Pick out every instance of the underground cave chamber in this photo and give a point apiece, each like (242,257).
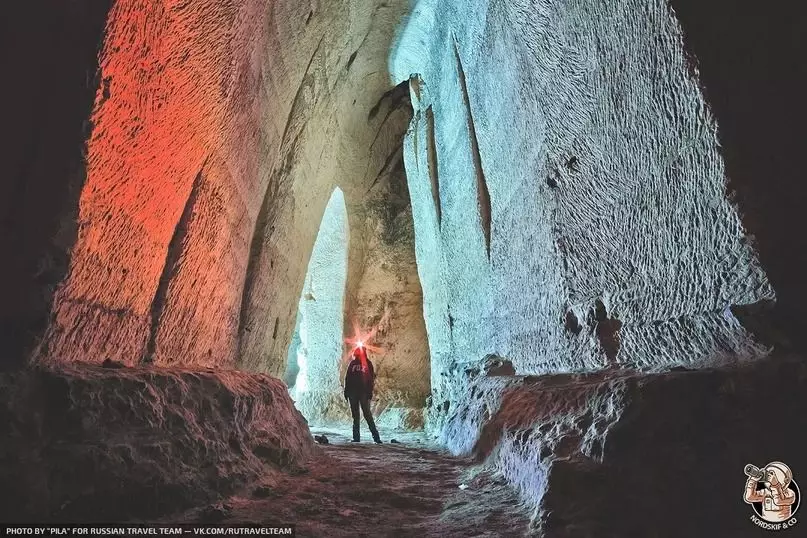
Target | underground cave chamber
(574,226)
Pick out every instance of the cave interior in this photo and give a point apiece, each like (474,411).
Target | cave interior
(570,233)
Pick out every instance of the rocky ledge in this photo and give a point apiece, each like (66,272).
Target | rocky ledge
(84,443)
(624,454)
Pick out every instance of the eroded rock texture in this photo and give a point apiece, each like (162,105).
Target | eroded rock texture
(220,129)
(383,301)
(318,342)
(568,190)
(750,65)
(615,454)
(569,164)
(168,164)
(384,294)
(91,443)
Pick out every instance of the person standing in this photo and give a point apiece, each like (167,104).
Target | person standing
(359,383)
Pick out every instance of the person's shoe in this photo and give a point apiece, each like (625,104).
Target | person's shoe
(356,441)
(378,441)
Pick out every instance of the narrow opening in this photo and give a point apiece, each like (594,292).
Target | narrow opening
(312,371)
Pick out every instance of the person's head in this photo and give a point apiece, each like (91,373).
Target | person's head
(783,473)
(360,353)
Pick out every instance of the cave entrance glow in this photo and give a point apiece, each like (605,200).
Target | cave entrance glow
(314,357)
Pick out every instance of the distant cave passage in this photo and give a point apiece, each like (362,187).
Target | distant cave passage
(312,371)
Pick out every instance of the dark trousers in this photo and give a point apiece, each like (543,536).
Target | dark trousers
(363,402)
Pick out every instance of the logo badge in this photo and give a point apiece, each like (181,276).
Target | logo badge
(773,494)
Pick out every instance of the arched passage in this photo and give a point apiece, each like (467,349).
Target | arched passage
(316,348)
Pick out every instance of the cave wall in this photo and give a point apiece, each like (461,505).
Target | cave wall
(84,443)
(385,297)
(219,130)
(569,193)
(749,62)
(613,453)
(164,216)
(50,64)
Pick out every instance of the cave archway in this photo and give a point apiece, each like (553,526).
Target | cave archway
(312,373)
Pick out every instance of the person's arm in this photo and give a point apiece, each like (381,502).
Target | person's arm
(372,379)
(751,493)
(781,496)
(347,376)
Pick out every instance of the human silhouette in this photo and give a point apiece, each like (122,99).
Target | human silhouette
(359,383)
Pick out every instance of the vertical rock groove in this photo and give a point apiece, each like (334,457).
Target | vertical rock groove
(431,152)
(483,196)
(172,260)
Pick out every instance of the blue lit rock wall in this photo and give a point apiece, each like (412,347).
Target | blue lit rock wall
(317,383)
(568,192)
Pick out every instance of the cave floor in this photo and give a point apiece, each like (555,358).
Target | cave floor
(410,488)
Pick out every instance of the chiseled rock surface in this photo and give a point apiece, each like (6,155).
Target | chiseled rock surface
(46,45)
(219,130)
(568,193)
(385,295)
(617,454)
(90,443)
(382,301)
(568,189)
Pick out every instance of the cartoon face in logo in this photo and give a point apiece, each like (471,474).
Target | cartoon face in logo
(772,492)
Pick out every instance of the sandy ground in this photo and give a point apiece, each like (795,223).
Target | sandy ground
(400,489)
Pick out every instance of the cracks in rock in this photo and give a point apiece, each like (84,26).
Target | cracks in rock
(173,260)
(572,324)
(431,155)
(390,158)
(482,193)
(398,98)
(358,48)
(255,251)
(397,101)
(351,59)
(295,111)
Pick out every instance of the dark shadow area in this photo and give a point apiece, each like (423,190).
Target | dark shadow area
(49,65)
(751,62)
(624,454)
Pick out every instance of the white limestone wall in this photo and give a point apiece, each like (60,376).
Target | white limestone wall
(586,125)
(320,314)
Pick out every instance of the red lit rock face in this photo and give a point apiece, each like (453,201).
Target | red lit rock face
(220,129)
(172,101)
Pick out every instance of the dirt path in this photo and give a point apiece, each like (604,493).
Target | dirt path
(401,490)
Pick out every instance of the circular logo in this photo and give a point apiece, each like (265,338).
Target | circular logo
(774,495)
